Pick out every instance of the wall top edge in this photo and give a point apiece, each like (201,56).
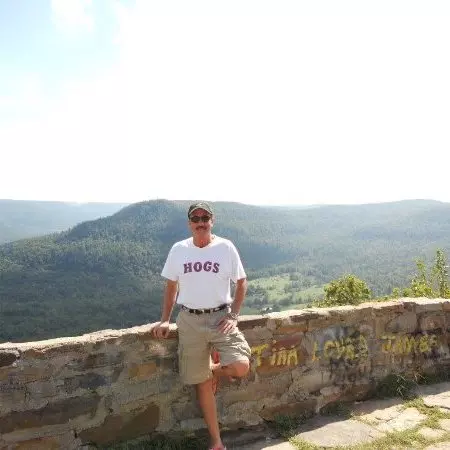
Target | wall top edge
(255,320)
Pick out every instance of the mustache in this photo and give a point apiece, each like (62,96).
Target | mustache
(200,227)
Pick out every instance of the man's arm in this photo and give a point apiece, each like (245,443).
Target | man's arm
(161,330)
(239,295)
(170,297)
(228,323)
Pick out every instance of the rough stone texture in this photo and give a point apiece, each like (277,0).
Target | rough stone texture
(445,424)
(434,396)
(440,446)
(121,384)
(297,409)
(431,433)
(375,412)
(118,428)
(406,419)
(8,357)
(52,414)
(326,432)
(266,445)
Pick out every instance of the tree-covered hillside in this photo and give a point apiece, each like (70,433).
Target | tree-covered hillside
(21,219)
(105,273)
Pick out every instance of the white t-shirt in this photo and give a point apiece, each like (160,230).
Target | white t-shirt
(204,274)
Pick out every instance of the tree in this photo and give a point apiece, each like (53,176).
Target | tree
(347,290)
(441,274)
(433,286)
(420,284)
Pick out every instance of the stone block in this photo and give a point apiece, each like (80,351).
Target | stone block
(45,443)
(445,423)
(186,408)
(324,320)
(311,381)
(269,387)
(294,328)
(404,323)
(327,432)
(43,389)
(388,309)
(299,409)
(257,335)
(88,380)
(123,427)
(251,322)
(8,357)
(54,413)
(24,373)
(12,397)
(424,305)
(142,371)
(431,433)
(128,392)
(432,322)
(96,360)
(405,420)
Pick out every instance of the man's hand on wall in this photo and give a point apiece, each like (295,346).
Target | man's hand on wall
(161,330)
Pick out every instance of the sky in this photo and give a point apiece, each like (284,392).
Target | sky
(254,101)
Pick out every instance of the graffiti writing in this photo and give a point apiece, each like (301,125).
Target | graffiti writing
(406,344)
(349,351)
(277,357)
(345,349)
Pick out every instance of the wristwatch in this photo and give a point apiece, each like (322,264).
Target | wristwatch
(233,315)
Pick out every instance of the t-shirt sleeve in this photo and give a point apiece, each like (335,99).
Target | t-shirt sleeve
(169,270)
(237,269)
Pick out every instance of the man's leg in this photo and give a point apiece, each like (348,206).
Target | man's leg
(207,402)
(194,353)
(237,369)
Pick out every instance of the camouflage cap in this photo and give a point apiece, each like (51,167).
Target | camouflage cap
(200,205)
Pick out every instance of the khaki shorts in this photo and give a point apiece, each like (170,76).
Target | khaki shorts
(198,335)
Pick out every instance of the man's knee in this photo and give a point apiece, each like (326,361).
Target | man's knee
(241,367)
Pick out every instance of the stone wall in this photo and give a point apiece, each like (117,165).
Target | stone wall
(120,384)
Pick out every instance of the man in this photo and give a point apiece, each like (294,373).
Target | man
(202,267)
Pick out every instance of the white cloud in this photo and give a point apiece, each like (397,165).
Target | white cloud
(258,109)
(73,15)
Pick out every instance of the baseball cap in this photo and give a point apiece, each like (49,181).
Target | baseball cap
(200,205)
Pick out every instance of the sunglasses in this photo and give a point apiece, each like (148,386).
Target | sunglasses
(197,219)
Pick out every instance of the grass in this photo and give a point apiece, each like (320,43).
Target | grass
(433,413)
(163,443)
(391,386)
(395,385)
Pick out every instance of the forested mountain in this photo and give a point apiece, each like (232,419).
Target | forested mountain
(21,219)
(105,273)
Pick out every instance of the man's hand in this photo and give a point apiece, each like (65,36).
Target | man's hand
(161,330)
(226,324)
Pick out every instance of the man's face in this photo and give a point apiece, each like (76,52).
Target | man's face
(200,222)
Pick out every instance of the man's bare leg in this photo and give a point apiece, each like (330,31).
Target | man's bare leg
(237,369)
(207,403)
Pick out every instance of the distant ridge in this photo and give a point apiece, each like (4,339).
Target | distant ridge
(28,218)
(105,273)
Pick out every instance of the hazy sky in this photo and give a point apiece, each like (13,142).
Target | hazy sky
(252,101)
